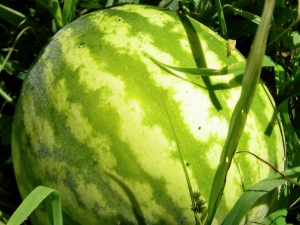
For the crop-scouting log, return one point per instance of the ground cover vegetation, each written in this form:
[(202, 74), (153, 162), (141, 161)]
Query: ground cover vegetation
[(27, 25)]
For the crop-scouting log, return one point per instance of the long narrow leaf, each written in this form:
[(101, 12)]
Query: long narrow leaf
[(279, 216), (235, 68), (191, 192), (252, 194), (53, 206), (240, 113), (68, 11), (14, 17), (292, 140), (254, 18), (221, 18), (56, 13), (32, 201)]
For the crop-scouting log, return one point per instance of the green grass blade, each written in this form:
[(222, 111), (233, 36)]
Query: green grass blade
[(252, 194), (279, 216), (53, 206), (32, 201), (240, 113), (189, 184), (14, 17), (56, 13), (221, 18), (10, 15), (292, 140), (279, 80), (68, 11), (54, 8), (254, 18), (235, 68)]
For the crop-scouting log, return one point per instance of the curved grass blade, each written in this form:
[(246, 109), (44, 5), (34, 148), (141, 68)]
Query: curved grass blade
[(252, 194), (32, 201), (235, 68), (292, 140), (254, 18), (242, 108)]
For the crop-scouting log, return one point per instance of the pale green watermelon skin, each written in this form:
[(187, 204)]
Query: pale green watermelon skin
[(94, 121)]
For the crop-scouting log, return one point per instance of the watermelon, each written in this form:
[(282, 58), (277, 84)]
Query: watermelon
[(103, 122)]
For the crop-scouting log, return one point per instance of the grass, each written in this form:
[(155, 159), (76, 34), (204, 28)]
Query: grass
[(26, 26)]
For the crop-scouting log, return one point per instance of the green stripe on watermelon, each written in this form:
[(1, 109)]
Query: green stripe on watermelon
[(92, 121)]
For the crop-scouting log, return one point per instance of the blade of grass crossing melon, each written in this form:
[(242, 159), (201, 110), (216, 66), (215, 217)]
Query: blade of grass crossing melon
[(235, 68), (32, 201), (252, 194), (197, 221), (240, 113)]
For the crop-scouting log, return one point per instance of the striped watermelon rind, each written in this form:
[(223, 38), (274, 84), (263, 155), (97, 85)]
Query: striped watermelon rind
[(100, 122)]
